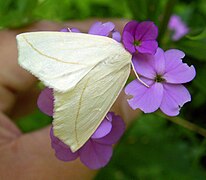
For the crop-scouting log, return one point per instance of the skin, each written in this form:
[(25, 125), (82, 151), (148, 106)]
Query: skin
[(30, 156)]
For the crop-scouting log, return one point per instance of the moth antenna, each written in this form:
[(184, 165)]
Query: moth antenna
[(138, 76)]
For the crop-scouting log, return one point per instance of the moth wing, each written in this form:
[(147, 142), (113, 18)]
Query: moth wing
[(60, 60), (79, 112)]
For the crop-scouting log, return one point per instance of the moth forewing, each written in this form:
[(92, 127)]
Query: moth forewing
[(87, 73)]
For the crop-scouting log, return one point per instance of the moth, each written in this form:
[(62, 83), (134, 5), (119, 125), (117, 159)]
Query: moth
[(86, 72)]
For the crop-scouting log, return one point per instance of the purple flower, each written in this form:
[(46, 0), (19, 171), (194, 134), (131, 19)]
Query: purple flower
[(178, 27), (97, 151), (105, 29), (140, 37), (101, 29), (164, 72)]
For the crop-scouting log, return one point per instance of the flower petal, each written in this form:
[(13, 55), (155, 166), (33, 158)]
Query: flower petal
[(159, 61), (143, 65), (128, 41), (128, 36), (174, 97), (103, 129), (145, 31), (118, 128), (177, 72), (116, 36), (147, 99), (62, 151), (64, 30), (148, 47), (149, 65), (45, 101), (130, 27), (181, 74), (95, 155), (174, 22), (75, 30), (101, 29), (173, 59), (133, 87)]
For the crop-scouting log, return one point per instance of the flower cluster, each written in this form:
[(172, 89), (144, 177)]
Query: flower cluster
[(159, 85), (97, 151), (162, 72), (140, 37)]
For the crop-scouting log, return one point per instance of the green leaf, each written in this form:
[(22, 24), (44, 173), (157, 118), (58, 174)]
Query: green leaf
[(196, 49), (17, 13), (200, 36), (34, 121)]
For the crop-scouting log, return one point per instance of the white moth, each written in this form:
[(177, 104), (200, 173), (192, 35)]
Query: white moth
[(87, 73)]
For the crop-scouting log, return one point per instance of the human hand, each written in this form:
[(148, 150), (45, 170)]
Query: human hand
[(29, 156)]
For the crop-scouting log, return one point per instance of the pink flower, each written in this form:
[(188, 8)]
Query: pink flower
[(101, 29), (178, 27), (97, 151), (140, 37), (164, 72)]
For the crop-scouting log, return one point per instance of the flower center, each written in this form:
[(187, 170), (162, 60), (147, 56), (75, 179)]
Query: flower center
[(159, 78), (137, 43)]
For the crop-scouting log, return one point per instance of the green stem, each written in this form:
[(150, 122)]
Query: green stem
[(186, 124), (166, 16)]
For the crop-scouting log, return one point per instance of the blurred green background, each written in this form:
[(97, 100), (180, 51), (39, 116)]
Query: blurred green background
[(153, 147)]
